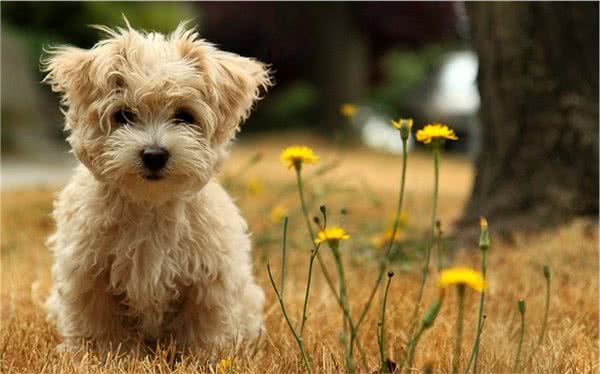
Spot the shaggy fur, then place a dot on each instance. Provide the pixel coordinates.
(139, 255)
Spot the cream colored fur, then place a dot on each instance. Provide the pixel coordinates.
(138, 259)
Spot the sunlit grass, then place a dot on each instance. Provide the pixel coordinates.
(514, 271)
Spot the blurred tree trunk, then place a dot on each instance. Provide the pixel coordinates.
(340, 65)
(538, 81)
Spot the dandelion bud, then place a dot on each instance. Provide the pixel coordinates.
(431, 314)
(317, 221)
(323, 209)
(404, 125)
(343, 211)
(546, 271)
(521, 306)
(484, 237)
(390, 274)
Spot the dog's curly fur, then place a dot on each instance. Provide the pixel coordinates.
(168, 257)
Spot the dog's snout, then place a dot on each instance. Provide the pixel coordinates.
(155, 158)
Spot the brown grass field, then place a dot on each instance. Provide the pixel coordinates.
(364, 182)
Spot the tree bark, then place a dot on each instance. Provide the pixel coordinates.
(538, 80)
(340, 65)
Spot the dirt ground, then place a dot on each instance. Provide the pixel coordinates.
(365, 183)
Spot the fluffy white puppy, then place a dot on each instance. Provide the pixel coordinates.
(148, 245)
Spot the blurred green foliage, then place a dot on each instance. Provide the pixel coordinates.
(294, 105)
(37, 22)
(404, 71)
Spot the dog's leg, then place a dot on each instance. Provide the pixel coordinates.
(83, 310)
(251, 321)
(221, 321)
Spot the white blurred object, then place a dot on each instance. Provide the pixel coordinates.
(378, 132)
(456, 92)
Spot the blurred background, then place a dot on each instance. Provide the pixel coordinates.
(389, 60)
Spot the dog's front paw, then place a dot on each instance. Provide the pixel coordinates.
(71, 346)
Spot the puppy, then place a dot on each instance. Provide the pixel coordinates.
(148, 245)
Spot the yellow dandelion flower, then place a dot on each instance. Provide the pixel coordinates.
(461, 276)
(224, 365)
(402, 220)
(298, 154)
(254, 186)
(277, 213)
(435, 131)
(402, 122)
(383, 239)
(332, 234)
(348, 110)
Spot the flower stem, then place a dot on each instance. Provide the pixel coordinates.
(459, 329)
(546, 306)
(303, 205)
(298, 338)
(381, 335)
(545, 320)
(342, 278)
(475, 352)
(427, 321)
(521, 335)
(308, 282)
(284, 246)
(346, 325)
(386, 258)
(412, 346)
(438, 242)
(425, 271)
(340, 300)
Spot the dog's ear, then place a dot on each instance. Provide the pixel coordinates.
(68, 73)
(231, 83)
(236, 84)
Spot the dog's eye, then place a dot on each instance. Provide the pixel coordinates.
(184, 116)
(124, 116)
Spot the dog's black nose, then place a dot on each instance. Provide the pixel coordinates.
(155, 158)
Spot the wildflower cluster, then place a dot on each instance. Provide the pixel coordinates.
(460, 278)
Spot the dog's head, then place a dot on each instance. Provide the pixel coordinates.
(153, 114)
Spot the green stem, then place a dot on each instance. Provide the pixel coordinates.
(425, 271)
(545, 320)
(426, 323)
(329, 281)
(412, 347)
(344, 298)
(475, 352)
(521, 335)
(285, 224)
(298, 338)
(381, 335)
(459, 329)
(303, 204)
(440, 261)
(308, 282)
(353, 330)
(386, 258)
(546, 309)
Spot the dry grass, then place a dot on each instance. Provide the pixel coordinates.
(366, 182)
